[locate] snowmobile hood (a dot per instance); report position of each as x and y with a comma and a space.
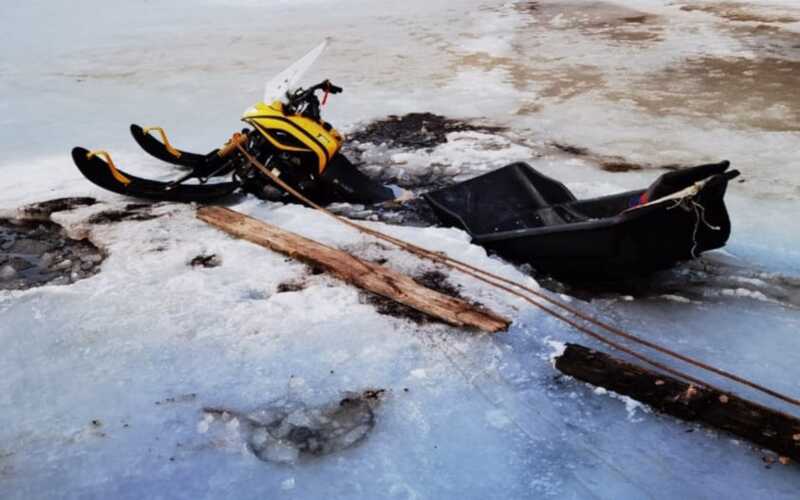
295, 133
261, 108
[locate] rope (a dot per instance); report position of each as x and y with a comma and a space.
506, 285
688, 203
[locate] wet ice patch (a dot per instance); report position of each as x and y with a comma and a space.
743, 12
288, 432
493, 30
609, 20
463, 153
419, 152
413, 130
414, 212
757, 92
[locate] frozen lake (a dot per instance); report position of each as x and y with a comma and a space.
110, 382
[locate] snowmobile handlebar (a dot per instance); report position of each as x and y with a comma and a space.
307, 101
303, 95
328, 86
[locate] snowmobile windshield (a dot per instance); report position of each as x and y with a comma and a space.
287, 81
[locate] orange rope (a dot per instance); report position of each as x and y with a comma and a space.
506, 284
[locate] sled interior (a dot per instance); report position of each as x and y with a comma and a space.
518, 198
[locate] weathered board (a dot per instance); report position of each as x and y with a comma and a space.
367, 275
762, 426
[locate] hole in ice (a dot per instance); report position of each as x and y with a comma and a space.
414, 130
288, 432
381, 150
375, 147
36, 253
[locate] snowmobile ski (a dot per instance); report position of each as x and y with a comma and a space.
105, 174
164, 151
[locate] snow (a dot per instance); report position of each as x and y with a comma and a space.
631, 407
557, 349
106, 380
676, 298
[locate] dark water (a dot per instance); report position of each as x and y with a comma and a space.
38, 253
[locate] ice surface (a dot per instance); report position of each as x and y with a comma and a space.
105, 380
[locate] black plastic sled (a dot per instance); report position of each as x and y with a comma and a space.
528, 217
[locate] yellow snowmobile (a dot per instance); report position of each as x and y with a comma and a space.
288, 135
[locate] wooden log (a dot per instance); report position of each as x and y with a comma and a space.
758, 424
367, 275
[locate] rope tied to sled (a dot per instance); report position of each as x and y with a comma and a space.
686, 199
525, 293
700, 217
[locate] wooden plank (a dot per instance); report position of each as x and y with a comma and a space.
762, 426
367, 275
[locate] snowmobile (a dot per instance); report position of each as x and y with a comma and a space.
287, 135
513, 211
